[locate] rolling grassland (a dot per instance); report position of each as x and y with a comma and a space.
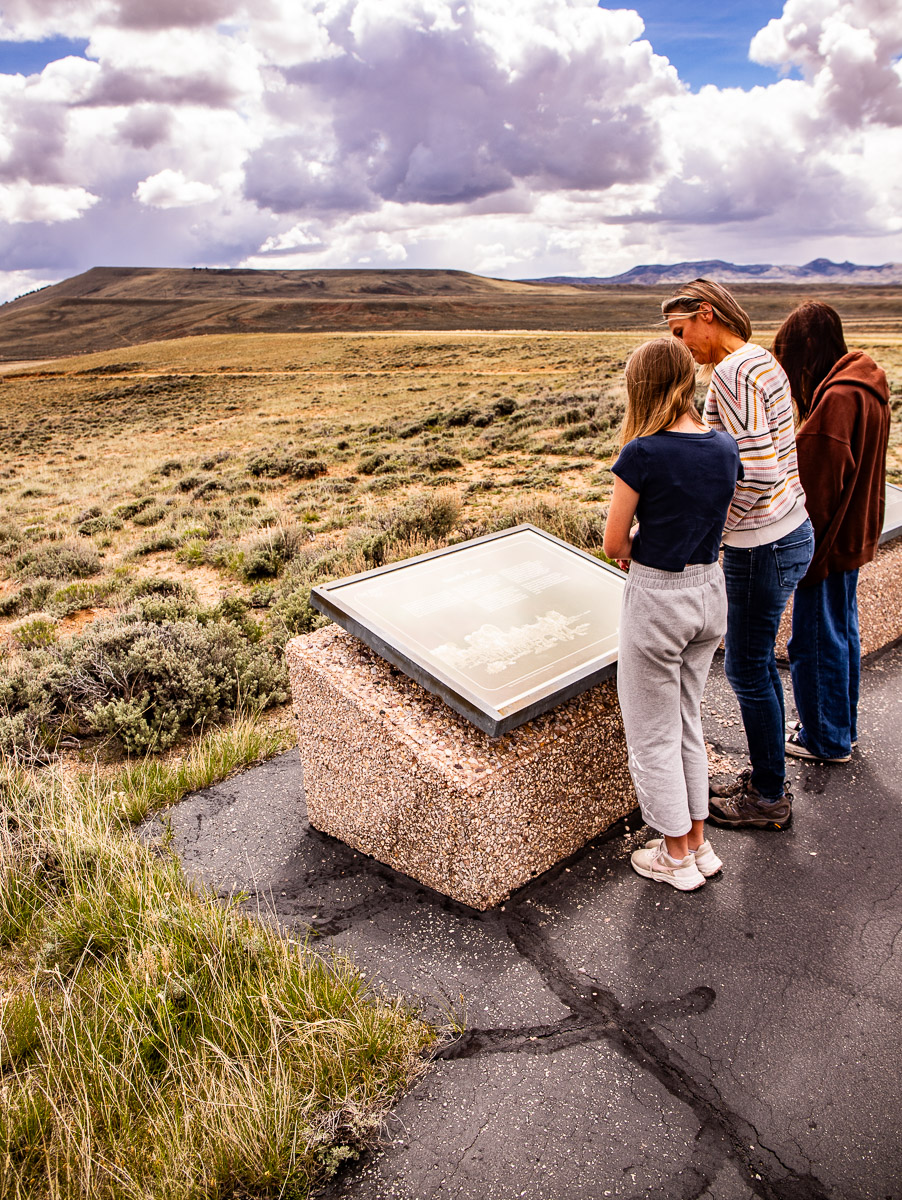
166, 508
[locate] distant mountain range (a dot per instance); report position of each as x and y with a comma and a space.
819, 270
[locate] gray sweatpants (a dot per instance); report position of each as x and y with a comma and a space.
671, 622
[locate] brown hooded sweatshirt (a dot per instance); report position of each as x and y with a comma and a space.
841, 447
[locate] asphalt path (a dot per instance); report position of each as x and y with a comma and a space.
620, 1038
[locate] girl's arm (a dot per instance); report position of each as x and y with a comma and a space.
618, 541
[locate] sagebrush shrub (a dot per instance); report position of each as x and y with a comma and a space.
39, 630
273, 464
145, 679
59, 560
145, 684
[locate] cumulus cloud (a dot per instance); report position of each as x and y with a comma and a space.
22, 202
848, 51
545, 139
170, 189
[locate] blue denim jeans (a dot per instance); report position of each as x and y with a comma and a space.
825, 663
760, 581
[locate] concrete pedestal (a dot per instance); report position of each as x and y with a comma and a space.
392, 771
879, 602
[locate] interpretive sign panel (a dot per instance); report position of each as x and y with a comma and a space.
502, 627
892, 521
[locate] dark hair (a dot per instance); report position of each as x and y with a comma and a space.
687, 299
807, 346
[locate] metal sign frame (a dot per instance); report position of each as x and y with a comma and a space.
328, 598
892, 523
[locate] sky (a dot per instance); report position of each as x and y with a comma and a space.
524, 139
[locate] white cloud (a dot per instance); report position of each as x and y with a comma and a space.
23, 202
170, 189
848, 51
545, 139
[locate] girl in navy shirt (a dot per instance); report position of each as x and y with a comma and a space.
676, 476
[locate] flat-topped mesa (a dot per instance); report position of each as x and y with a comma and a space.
390, 769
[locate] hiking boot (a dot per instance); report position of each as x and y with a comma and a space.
653, 862
797, 749
747, 809
733, 788
705, 858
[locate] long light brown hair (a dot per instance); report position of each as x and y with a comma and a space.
690, 296
660, 388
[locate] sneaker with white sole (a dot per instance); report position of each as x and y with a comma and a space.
705, 858
796, 748
655, 863
796, 726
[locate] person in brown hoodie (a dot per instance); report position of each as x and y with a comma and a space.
842, 398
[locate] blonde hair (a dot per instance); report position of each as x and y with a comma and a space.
689, 298
660, 388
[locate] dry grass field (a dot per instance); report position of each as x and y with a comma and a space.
113, 307
249, 467
166, 508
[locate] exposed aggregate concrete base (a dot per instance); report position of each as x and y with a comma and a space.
879, 602
393, 772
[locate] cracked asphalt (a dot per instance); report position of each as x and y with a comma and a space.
622, 1039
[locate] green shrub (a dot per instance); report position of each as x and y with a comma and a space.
370, 463
149, 516
142, 681
274, 464
101, 524
159, 585
566, 521
192, 552
423, 517
60, 560
158, 609
132, 508
266, 555
10, 538
34, 632
28, 705
79, 595
442, 462
262, 595
293, 614
165, 540
27, 599
145, 684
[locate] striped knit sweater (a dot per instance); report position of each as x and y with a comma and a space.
749, 398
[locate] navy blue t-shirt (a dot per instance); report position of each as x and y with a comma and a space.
685, 483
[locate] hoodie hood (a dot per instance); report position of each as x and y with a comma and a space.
855, 368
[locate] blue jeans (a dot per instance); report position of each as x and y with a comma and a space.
760, 581
825, 663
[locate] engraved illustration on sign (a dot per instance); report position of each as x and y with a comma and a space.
497, 649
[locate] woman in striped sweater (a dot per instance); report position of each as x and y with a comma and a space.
768, 540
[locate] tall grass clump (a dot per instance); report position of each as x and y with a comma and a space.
150, 784
157, 1044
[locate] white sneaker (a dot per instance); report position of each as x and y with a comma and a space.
705, 858
655, 863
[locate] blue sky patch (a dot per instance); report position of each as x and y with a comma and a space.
29, 58
708, 44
